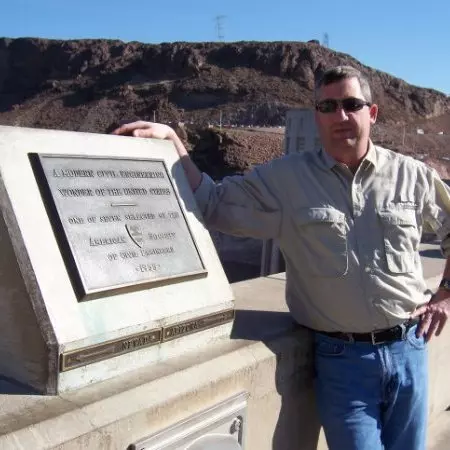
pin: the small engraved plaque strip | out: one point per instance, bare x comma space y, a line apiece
195, 325
118, 222
106, 350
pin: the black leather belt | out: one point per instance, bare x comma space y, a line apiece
397, 333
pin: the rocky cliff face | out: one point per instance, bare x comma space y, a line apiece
92, 85
86, 84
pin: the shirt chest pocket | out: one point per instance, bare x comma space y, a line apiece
322, 239
401, 239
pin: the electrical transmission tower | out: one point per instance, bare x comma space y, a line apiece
326, 40
219, 27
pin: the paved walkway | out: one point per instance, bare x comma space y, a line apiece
439, 433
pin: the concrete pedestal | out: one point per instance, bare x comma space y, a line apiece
268, 357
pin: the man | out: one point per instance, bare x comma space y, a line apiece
349, 220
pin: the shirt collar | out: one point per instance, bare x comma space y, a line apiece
370, 158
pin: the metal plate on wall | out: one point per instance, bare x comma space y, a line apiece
94, 353
221, 427
118, 222
215, 441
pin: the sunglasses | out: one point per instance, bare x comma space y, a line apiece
350, 104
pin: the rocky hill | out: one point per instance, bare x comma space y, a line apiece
91, 85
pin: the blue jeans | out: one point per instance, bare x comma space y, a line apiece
372, 397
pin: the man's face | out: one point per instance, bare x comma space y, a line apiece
342, 131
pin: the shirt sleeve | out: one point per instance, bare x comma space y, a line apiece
241, 205
437, 210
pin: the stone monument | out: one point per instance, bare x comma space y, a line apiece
105, 264
301, 133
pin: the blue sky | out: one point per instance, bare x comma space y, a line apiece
407, 39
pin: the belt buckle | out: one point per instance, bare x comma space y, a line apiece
373, 338
373, 334
350, 338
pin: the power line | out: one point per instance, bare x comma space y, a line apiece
219, 27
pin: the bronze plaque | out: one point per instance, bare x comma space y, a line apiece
107, 350
118, 222
198, 324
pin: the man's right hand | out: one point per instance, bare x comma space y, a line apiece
146, 130
159, 131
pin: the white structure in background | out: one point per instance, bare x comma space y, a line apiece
301, 131
420, 131
300, 135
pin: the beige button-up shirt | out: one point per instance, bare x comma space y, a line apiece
350, 242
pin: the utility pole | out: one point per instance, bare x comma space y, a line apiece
326, 40
219, 27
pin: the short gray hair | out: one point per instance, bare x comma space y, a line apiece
339, 73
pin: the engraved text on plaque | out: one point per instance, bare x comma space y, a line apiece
118, 222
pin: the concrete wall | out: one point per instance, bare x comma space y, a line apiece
267, 356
